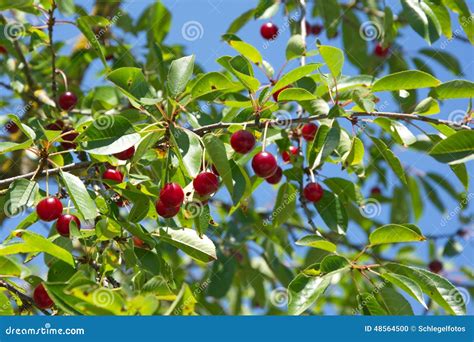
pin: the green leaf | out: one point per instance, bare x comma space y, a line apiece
355, 43
35, 243
240, 21
215, 148
210, 83
318, 242
417, 18
427, 106
85, 25
334, 59
180, 73
395, 233
460, 171
294, 75
190, 149
391, 159
455, 149
355, 155
404, 80
416, 199
188, 240
443, 16
80, 196
109, 134
333, 263
285, 204
21, 194
6, 308
247, 50
370, 305
407, 285
332, 212
325, 147
397, 130
330, 11
304, 291
9, 267
456, 89
66, 7
131, 82
296, 94
296, 47
436, 287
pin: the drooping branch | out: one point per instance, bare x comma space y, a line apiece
54, 171
273, 122
27, 300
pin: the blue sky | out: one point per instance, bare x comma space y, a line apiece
214, 16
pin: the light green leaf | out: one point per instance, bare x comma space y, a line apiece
436, 287
215, 148
427, 106
318, 242
390, 158
334, 59
455, 149
407, 285
247, 50
180, 73
35, 243
456, 89
188, 240
131, 82
404, 80
296, 47
332, 212
305, 291
80, 196
294, 75
85, 24
395, 233
296, 94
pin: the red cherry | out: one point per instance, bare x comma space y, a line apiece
380, 51
125, 155
113, 175
166, 211
63, 222
109, 57
316, 29
242, 141
286, 155
309, 131
277, 93
213, 167
3, 50
276, 177
172, 195
435, 266
49, 209
206, 183
137, 242
264, 164
269, 31
58, 125
308, 28
11, 127
41, 297
375, 191
71, 136
313, 192
67, 100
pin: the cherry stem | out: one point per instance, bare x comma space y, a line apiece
264, 144
59, 71
311, 174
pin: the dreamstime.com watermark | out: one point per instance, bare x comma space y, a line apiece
286, 201
46, 330
453, 213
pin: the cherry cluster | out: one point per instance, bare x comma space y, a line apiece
265, 165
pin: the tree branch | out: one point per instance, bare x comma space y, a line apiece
75, 166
